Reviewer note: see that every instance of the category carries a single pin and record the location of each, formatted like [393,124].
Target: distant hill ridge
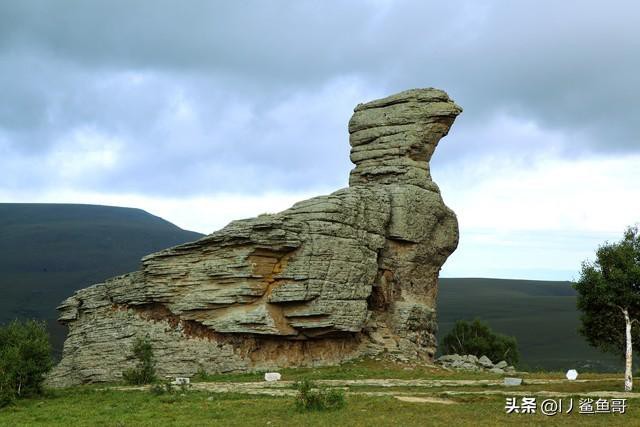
[66,237]
[48,251]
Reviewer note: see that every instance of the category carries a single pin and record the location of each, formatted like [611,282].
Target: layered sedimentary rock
[332,278]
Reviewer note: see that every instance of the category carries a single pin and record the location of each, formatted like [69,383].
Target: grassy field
[113,408]
[97,405]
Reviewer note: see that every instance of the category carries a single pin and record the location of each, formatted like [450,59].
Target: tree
[477,338]
[609,298]
[25,357]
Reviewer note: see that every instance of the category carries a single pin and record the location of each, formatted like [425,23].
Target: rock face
[332,278]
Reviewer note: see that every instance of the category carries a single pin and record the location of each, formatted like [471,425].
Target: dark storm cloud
[205,96]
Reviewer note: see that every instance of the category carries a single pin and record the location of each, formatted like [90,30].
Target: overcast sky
[207,111]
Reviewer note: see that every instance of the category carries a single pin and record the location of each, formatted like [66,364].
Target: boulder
[333,278]
[485,362]
[458,363]
[449,358]
[501,364]
[469,366]
[471,358]
[471,362]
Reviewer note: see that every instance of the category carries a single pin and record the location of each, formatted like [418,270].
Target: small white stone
[508,381]
[181,381]
[572,374]
[272,376]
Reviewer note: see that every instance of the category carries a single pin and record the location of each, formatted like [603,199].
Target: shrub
[161,388]
[311,397]
[202,375]
[478,339]
[145,370]
[25,357]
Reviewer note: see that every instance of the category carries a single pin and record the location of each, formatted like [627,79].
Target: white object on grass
[508,381]
[272,376]
[572,374]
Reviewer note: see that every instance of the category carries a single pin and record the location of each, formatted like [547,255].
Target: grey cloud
[258,80]
[176,136]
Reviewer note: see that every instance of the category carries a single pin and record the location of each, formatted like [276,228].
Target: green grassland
[100,405]
[113,408]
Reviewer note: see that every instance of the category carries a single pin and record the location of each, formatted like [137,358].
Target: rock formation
[332,278]
[470,362]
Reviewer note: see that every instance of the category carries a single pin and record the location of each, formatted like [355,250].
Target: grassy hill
[542,316]
[47,251]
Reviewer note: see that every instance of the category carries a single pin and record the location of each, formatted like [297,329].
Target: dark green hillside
[542,315]
[47,251]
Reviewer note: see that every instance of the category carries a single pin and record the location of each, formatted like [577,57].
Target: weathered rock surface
[332,278]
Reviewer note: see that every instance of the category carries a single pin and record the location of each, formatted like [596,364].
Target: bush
[145,370]
[166,387]
[162,388]
[25,357]
[478,339]
[311,397]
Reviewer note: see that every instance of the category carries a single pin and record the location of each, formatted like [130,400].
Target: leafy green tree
[609,298]
[25,357]
[145,370]
[477,338]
